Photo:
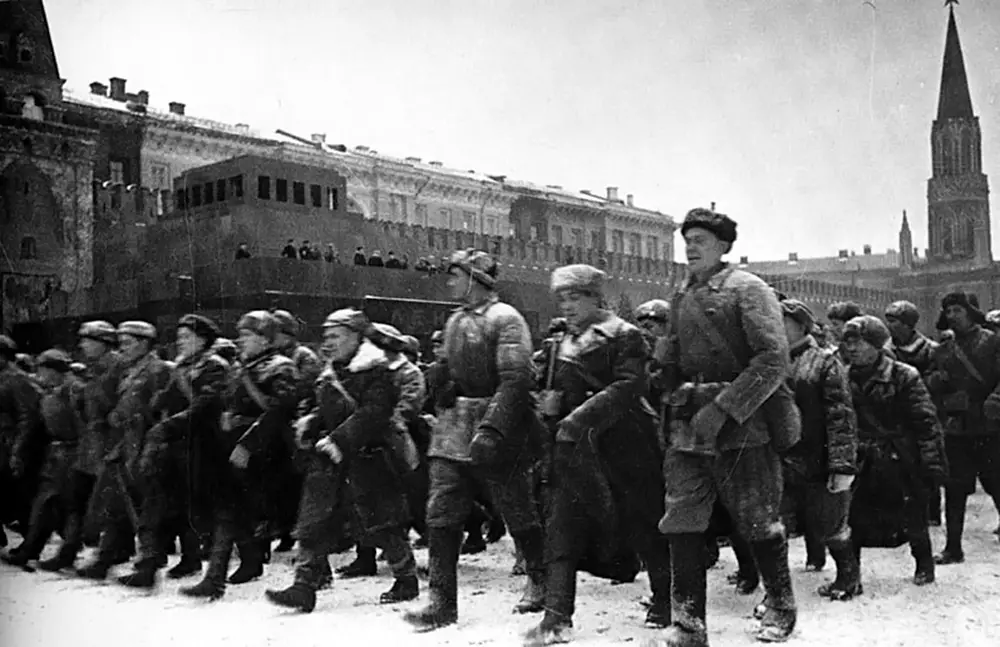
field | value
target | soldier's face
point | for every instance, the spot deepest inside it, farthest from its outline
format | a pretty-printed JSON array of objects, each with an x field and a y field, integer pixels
[
  {"x": 340, "y": 343},
  {"x": 49, "y": 375},
  {"x": 859, "y": 352},
  {"x": 251, "y": 344},
  {"x": 438, "y": 349},
  {"x": 794, "y": 330},
  {"x": 900, "y": 332},
  {"x": 131, "y": 347},
  {"x": 653, "y": 327},
  {"x": 704, "y": 250},
  {"x": 458, "y": 283},
  {"x": 958, "y": 317},
  {"x": 91, "y": 348},
  {"x": 577, "y": 307},
  {"x": 836, "y": 330},
  {"x": 188, "y": 343}
]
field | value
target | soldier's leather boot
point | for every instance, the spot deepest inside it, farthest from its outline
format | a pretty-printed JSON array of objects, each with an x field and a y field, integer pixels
[
  {"x": 325, "y": 579},
  {"x": 847, "y": 584},
  {"x": 560, "y": 602},
  {"x": 286, "y": 544},
  {"x": 442, "y": 609},
  {"x": 404, "y": 589},
  {"x": 96, "y": 570},
  {"x": 213, "y": 585},
  {"x": 190, "y": 557},
  {"x": 920, "y": 548},
  {"x": 251, "y": 562},
  {"x": 687, "y": 629},
  {"x": 364, "y": 565},
  {"x": 780, "y": 614},
  {"x": 658, "y": 567},
  {"x": 143, "y": 577},
  {"x": 954, "y": 518},
  {"x": 746, "y": 578},
  {"x": 299, "y": 596},
  {"x": 532, "y": 543}
]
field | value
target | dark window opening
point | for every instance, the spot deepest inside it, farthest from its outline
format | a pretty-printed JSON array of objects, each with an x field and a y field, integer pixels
[
  {"x": 333, "y": 199},
  {"x": 236, "y": 186},
  {"x": 316, "y": 195},
  {"x": 281, "y": 190},
  {"x": 264, "y": 187},
  {"x": 26, "y": 187},
  {"x": 209, "y": 193},
  {"x": 181, "y": 199},
  {"x": 299, "y": 192},
  {"x": 28, "y": 249},
  {"x": 220, "y": 190},
  {"x": 26, "y": 56},
  {"x": 196, "y": 196}
]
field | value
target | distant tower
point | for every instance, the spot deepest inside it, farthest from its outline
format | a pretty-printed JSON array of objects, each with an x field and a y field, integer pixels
[
  {"x": 958, "y": 208},
  {"x": 905, "y": 244}
]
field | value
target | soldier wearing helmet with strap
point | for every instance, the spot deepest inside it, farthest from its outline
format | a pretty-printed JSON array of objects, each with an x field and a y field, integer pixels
[
  {"x": 487, "y": 434},
  {"x": 348, "y": 436},
  {"x": 260, "y": 402}
]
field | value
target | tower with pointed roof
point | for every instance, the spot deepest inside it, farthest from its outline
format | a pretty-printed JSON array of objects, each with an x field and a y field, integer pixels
[
  {"x": 958, "y": 210},
  {"x": 905, "y": 244}
]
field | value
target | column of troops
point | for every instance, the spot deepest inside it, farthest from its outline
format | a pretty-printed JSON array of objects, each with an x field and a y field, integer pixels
[{"x": 727, "y": 412}]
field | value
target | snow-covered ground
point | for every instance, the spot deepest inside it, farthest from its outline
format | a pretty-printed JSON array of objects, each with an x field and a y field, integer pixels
[{"x": 962, "y": 608}]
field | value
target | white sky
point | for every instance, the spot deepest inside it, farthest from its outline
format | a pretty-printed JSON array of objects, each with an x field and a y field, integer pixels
[{"x": 771, "y": 108}]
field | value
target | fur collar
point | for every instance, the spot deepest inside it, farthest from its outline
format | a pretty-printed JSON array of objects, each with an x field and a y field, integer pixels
[{"x": 367, "y": 357}]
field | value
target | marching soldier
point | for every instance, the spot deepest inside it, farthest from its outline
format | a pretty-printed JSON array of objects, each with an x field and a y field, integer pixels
[
  {"x": 98, "y": 396},
  {"x": 62, "y": 426},
  {"x": 261, "y": 399},
  {"x": 913, "y": 348},
  {"x": 824, "y": 462},
  {"x": 182, "y": 465},
  {"x": 965, "y": 379},
  {"x": 348, "y": 435},
  {"x": 730, "y": 414},
  {"x": 899, "y": 448},
  {"x": 144, "y": 375},
  {"x": 18, "y": 431},
  {"x": 485, "y": 435},
  {"x": 309, "y": 366},
  {"x": 606, "y": 476}
]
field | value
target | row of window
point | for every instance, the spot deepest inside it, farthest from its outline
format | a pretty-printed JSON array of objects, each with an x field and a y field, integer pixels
[
  {"x": 318, "y": 197},
  {"x": 191, "y": 197}
]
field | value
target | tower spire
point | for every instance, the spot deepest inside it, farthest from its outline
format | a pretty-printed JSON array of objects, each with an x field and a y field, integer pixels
[{"x": 955, "y": 100}]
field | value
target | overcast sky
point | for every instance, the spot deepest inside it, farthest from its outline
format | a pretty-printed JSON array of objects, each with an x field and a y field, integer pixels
[{"x": 771, "y": 108}]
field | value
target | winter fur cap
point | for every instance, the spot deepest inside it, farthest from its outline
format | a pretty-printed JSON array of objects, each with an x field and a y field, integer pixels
[
  {"x": 903, "y": 312},
  {"x": 8, "y": 348},
  {"x": 287, "y": 322},
  {"x": 348, "y": 318},
  {"x": 478, "y": 264},
  {"x": 843, "y": 311},
  {"x": 656, "y": 309},
  {"x": 260, "y": 322},
  {"x": 201, "y": 326},
  {"x": 141, "y": 329},
  {"x": 719, "y": 224},
  {"x": 55, "y": 359},
  {"x": 387, "y": 337},
  {"x": 798, "y": 311},
  {"x": 580, "y": 278},
  {"x": 411, "y": 345},
  {"x": 967, "y": 300},
  {"x": 437, "y": 337},
  {"x": 869, "y": 328},
  {"x": 101, "y": 331}
]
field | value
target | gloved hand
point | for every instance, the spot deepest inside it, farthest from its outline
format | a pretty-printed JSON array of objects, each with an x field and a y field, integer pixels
[
  {"x": 837, "y": 483},
  {"x": 240, "y": 457},
  {"x": 329, "y": 448},
  {"x": 486, "y": 446},
  {"x": 301, "y": 427},
  {"x": 991, "y": 407}
]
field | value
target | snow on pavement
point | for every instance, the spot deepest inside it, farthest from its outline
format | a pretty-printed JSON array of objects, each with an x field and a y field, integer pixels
[{"x": 962, "y": 608}]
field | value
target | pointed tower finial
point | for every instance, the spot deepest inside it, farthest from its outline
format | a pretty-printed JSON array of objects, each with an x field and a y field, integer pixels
[
  {"x": 949, "y": 3},
  {"x": 955, "y": 101}
]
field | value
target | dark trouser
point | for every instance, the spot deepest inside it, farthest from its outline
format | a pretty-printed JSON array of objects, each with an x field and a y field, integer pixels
[
  {"x": 54, "y": 500},
  {"x": 802, "y": 508},
  {"x": 749, "y": 484},
  {"x": 82, "y": 486},
  {"x": 115, "y": 522},
  {"x": 312, "y": 565},
  {"x": 417, "y": 484},
  {"x": 915, "y": 522},
  {"x": 970, "y": 458}
]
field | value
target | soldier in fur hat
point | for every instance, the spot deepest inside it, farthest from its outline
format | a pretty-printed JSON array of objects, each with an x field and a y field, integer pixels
[
  {"x": 19, "y": 421},
  {"x": 484, "y": 437},
  {"x": 899, "y": 448},
  {"x": 606, "y": 484},
  {"x": 965, "y": 379},
  {"x": 730, "y": 413}
]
